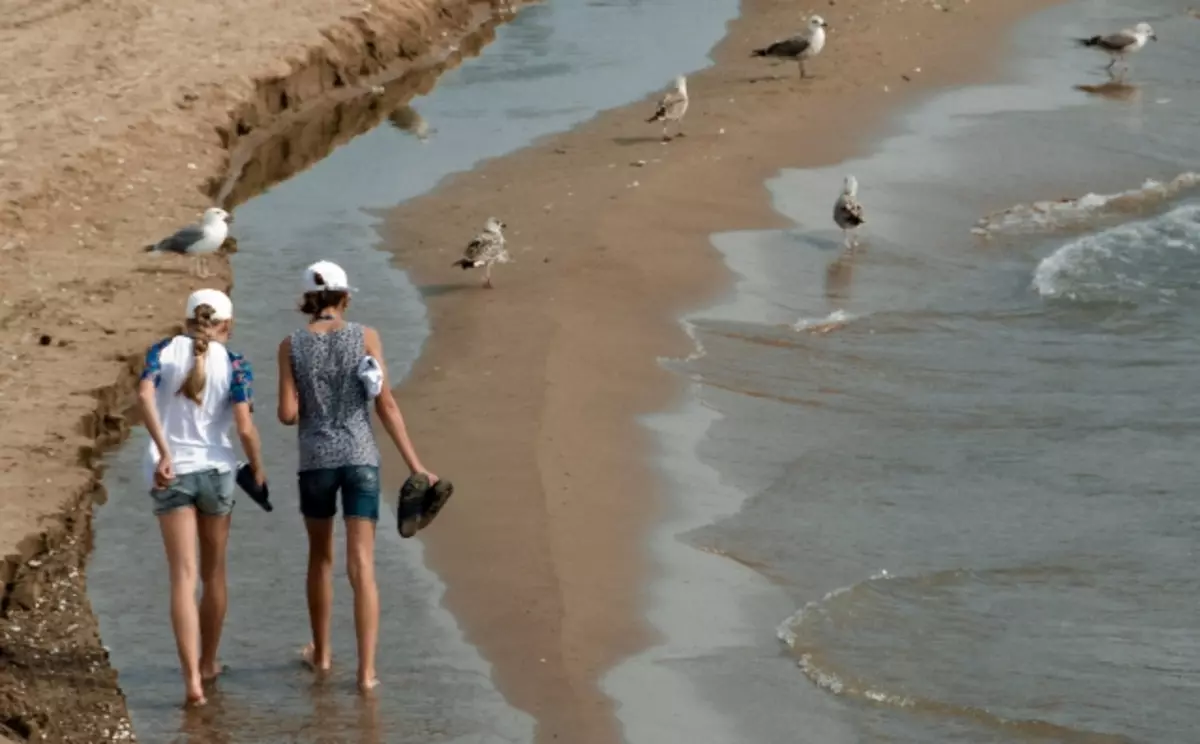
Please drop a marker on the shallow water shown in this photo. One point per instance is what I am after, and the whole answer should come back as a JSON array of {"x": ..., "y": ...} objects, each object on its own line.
[
  {"x": 555, "y": 65},
  {"x": 952, "y": 474}
]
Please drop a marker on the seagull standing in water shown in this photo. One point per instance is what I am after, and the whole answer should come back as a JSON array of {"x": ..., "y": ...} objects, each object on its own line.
[
  {"x": 800, "y": 47},
  {"x": 198, "y": 240},
  {"x": 848, "y": 211},
  {"x": 486, "y": 249},
  {"x": 671, "y": 108},
  {"x": 1122, "y": 43}
]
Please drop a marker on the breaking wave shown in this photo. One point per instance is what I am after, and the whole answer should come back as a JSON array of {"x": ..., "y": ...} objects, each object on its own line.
[
  {"x": 1058, "y": 214},
  {"x": 1146, "y": 260}
]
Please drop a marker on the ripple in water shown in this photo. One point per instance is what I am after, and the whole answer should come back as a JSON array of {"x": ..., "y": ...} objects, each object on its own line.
[
  {"x": 1144, "y": 262},
  {"x": 901, "y": 642}
]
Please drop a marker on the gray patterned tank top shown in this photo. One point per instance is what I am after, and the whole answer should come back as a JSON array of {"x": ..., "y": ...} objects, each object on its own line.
[{"x": 335, "y": 418}]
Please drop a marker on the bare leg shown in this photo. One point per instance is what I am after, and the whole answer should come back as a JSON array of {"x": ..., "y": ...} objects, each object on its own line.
[
  {"x": 214, "y": 537},
  {"x": 803, "y": 72},
  {"x": 179, "y": 539},
  {"x": 320, "y": 591},
  {"x": 360, "y": 564},
  {"x": 487, "y": 276}
]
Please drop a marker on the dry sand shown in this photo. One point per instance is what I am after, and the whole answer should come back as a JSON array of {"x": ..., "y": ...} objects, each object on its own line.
[
  {"x": 526, "y": 395},
  {"x": 116, "y": 124}
]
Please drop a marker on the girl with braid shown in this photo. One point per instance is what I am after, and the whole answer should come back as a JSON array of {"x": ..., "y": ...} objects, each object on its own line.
[{"x": 192, "y": 392}]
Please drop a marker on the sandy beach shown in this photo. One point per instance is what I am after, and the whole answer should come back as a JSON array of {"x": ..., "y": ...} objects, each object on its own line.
[
  {"x": 527, "y": 395},
  {"x": 118, "y": 125}
]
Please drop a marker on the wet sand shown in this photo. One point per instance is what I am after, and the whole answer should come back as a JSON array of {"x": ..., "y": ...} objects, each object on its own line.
[
  {"x": 117, "y": 127},
  {"x": 527, "y": 395}
]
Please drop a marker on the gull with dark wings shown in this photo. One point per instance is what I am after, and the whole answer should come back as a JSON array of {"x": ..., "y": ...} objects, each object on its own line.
[
  {"x": 848, "y": 211},
  {"x": 1121, "y": 44},
  {"x": 485, "y": 250},
  {"x": 198, "y": 240},
  {"x": 671, "y": 108},
  {"x": 801, "y": 47}
]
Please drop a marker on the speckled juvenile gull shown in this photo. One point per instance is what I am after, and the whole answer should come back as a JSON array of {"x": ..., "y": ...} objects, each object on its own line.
[
  {"x": 801, "y": 47},
  {"x": 848, "y": 211},
  {"x": 672, "y": 107},
  {"x": 198, "y": 240},
  {"x": 1122, "y": 43},
  {"x": 485, "y": 250}
]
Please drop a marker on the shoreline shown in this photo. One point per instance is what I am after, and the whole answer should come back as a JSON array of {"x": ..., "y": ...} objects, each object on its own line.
[
  {"x": 546, "y": 570},
  {"x": 100, "y": 177}
]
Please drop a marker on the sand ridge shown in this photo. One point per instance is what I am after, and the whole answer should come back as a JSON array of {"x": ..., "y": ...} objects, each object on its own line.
[
  {"x": 527, "y": 395},
  {"x": 116, "y": 126}
]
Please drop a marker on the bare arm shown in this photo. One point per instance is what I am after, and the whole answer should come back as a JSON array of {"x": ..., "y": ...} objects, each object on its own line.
[
  {"x": 148, "y": 407},
  {"x": 389, "y": 410},
  {"x": 251, "y": 443},
  {"x": 289, "y": 400}
]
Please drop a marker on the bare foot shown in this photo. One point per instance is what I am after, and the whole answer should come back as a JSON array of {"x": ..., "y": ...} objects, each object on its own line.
[
  {"x": 368, "y": 685},
  {"x": 195, "y": 699},
  {"x": 194, "y": 691},
  {"x": 210, "y": 675},
  {"x": 308, "y": 656}
]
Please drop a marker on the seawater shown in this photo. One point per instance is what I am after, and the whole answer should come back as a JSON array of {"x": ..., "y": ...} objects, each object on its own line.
[{"x": 946, "y": 486}]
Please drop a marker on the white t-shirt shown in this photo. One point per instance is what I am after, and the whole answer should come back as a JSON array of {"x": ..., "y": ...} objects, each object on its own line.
[{"x": 198, "y": 435}]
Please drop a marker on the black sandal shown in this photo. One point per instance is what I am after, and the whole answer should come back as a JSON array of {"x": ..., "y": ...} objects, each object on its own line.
[
  {"x": 261, "y": 496},
  {"x": 435, "y": 499},
  {"x": 412, "y": 502}
]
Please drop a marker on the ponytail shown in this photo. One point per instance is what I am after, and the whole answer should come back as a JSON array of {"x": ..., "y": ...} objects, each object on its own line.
[
  {"x": 198, "y": 328},
  {"x": 315, "y": 303}
]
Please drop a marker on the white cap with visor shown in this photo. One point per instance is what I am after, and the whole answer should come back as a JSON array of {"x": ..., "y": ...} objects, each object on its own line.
[
  {"x": 216, "y": 299},
  {"x": 326, "y": 275}
]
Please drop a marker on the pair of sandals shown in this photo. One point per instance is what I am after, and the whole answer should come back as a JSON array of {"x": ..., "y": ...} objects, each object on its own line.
[{"x": 420, "y": 503}]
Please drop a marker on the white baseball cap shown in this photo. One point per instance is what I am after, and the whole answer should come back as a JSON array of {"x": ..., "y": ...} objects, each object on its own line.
[
  {"x": 326, "y": 275},
  {"x": 214, "y": 298}
]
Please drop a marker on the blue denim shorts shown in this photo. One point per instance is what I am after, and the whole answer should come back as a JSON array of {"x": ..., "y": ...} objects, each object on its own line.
[
  {"x": 359, "y": 485},
  {"x": 209, "y": 491}
]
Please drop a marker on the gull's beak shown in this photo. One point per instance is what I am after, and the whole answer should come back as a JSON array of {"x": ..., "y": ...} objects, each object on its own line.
[
  {"x": 228, "y": 218},
  {"x": 825, "y": 26},
  {"x": 1154, "y": 36}
]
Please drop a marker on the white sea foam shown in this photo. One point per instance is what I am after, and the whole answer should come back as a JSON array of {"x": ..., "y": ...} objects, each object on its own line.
[
  {"x": 1052, "y": 215},
  {"x": 831, "y": 322},
  {"x": 823, "y": 677},
  {"x": 1122, "y": 262}
]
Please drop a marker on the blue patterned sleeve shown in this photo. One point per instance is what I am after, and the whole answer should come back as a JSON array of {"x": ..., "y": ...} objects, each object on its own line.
[
  {"x": 152, "y": 369},
  {"x": 241, "y": 386}
]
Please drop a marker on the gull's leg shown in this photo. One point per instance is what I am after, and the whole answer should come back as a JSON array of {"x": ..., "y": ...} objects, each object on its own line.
[
  {"x": 665, "y": 125},
  {"x": 487, "y": 275},
  {"x": 194, "y": 267}
]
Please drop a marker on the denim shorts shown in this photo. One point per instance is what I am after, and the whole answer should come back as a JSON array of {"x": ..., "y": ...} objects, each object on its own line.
[
  {"x": 210, "y": 491},
  {"x": 359, "y": 485}
]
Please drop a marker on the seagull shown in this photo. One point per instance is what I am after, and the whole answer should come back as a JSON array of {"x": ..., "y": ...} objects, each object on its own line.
[
  {"x": 848, "y": 211},
  {"x": 672, "y": 107},
  {"x": 1124, "y": 42},
  {"x": 486, "y": 249},
  {"x": 198, "y": 240},
  {"x": 800, "y": 47}
]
